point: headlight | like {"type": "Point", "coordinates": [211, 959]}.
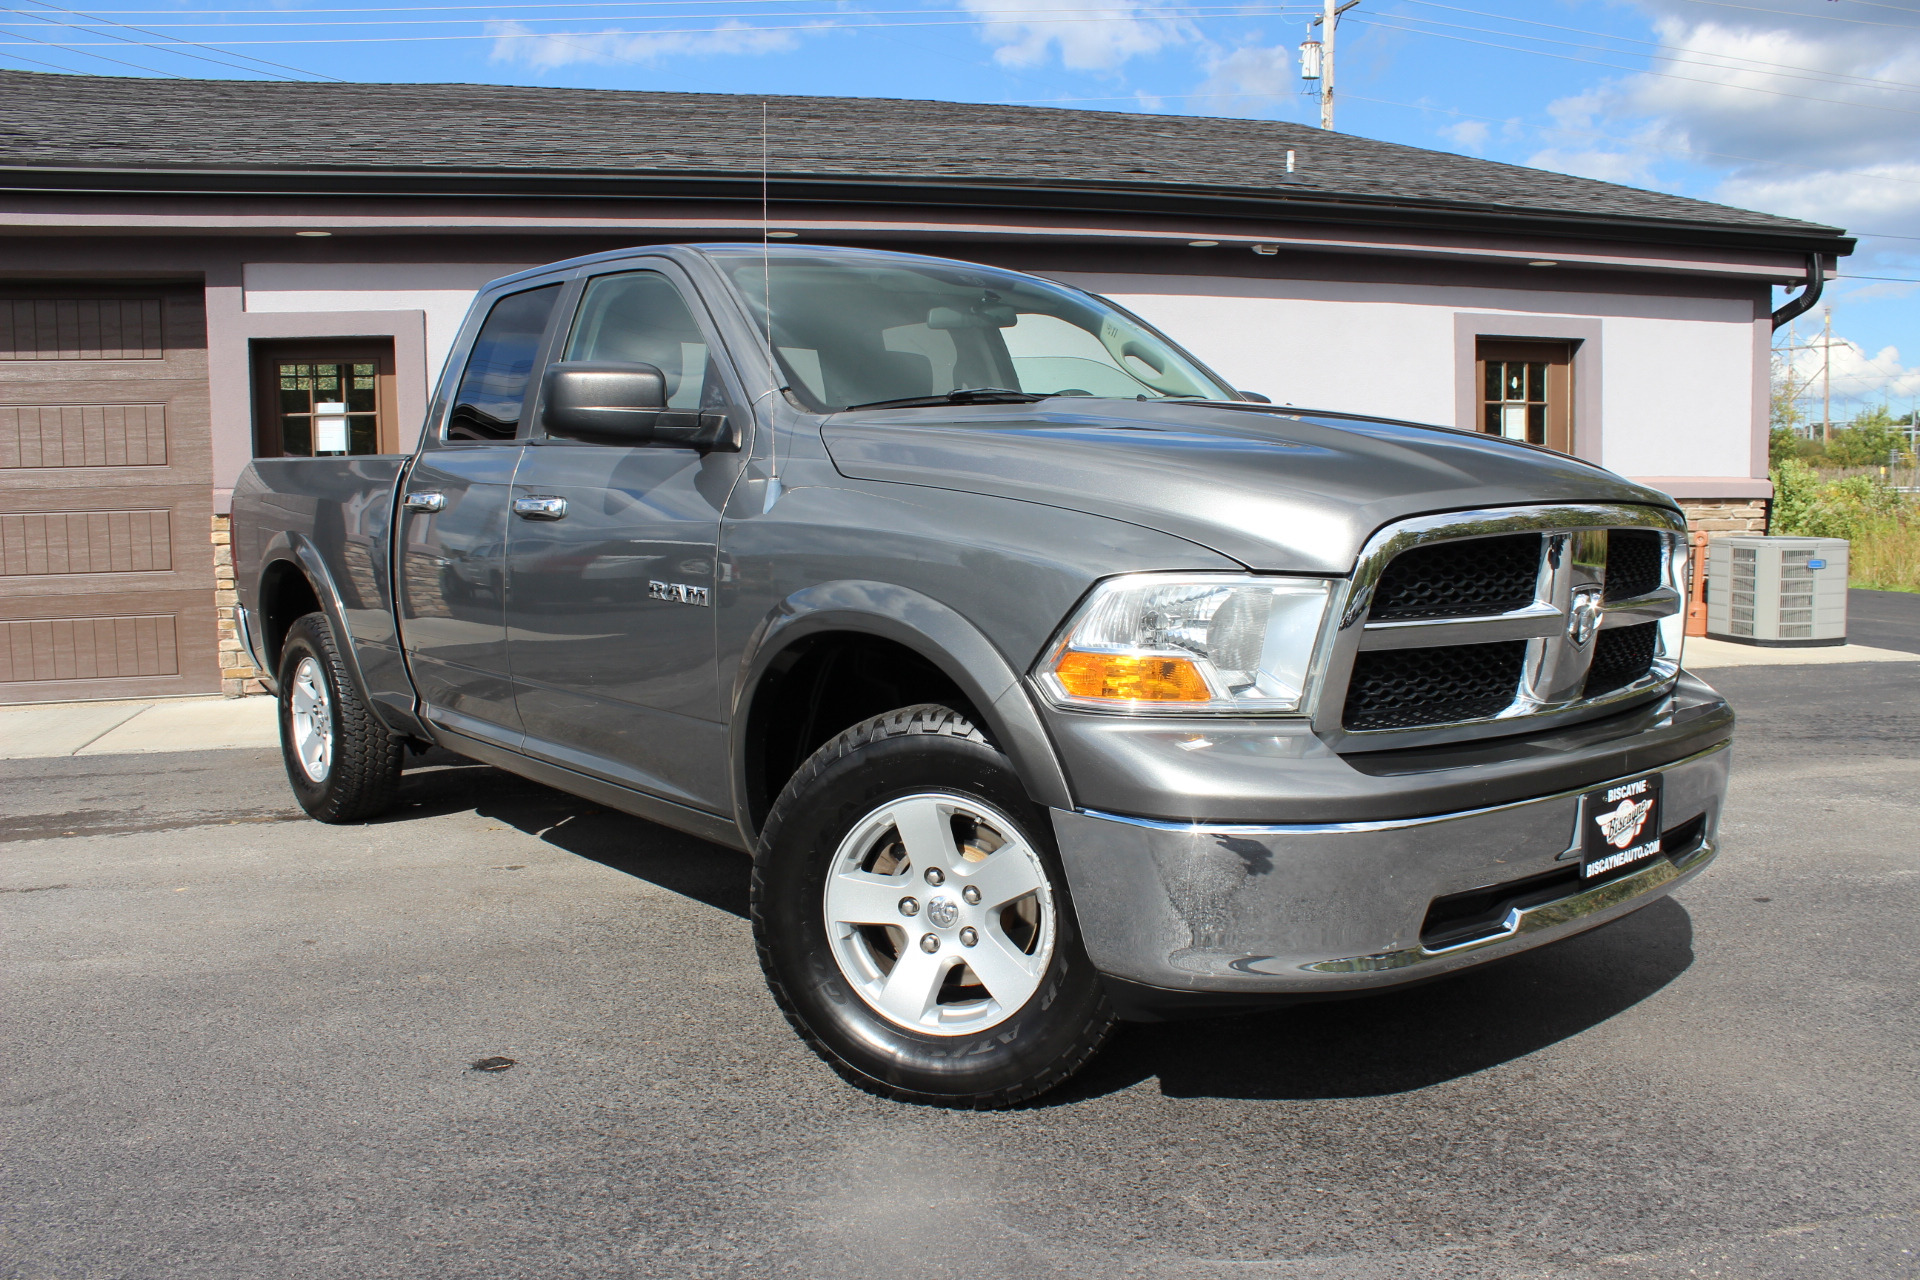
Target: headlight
{"type": "Point", "coordinates": [1155, 642]}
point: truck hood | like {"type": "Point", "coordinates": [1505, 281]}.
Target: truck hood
{"type": "Point", "coordinates": [1289, 490]}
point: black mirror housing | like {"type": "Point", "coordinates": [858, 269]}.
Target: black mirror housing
{"type": "Point", "coordinates": [1256, 397]}
{"type": "Point", "coordinates": [610, 400]}
{"type": "Point", "coordinates": [625, 402]}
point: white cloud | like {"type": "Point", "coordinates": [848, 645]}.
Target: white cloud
{"type": "Point", "coordinates": [1470, 135]}
{"type": "Point", "coordinates": [1858, 377]}
{"type": "Point", "coordinates": [1110, 34]}
{"type": "Point", "coordinates": [1253, 80]}
{"type": "Point", "coordinates": [1811, 140]}
{"type": "Point", "coordinates": [513, 42]}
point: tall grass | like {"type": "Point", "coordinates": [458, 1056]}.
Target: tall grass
{"type": "Point", "coordinates": [1881, 523]}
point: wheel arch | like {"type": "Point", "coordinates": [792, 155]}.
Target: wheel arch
{"type": "Point", "coordinates": [293, 574]}
{"type": "Point", "coordinates": [874, 618]}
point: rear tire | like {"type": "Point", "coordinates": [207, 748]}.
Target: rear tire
{"type": "Point", "coordinates": [913, 923]}
{"type": "Point", "coordinates": [342, 762]}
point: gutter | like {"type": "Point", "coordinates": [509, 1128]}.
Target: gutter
{"type": "Point", "coordinates": [1810, 290]}
{"type": "Point", "coordinates": [1278, 204]}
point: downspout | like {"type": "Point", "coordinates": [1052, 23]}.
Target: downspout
{"type": "Point", "coordinates": [1816, 280]}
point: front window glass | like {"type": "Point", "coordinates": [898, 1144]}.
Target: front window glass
{"type": "Point", "coordinates": [640, 317]}
{"type": "Point", "coordinates": [854, 329]}
{"type": "Point", "coordinates": [494, 384]}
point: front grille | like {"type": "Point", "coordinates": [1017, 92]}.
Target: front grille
{"type": "Point", "coordinates": [1633, 563]}
{"type": "Point", "coordinates": [1467, 579]}
{"type": "Point", "coordinates": [1406, 688]}
{"type": "Point", "coordinates": [1620, 657]}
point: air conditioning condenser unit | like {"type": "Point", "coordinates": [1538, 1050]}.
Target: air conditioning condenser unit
{"type": "Point", "coordinates": [1778, 592]}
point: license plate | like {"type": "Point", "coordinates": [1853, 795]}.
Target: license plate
{"type": "Point", "coordinates": [1622, 826]}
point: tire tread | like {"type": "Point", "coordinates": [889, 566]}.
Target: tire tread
{"type": "Point", "coordinates": [367, 755]}
{"type": "Point", "coordinates": [926, 719]}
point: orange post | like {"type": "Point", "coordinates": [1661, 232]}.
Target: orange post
{"type": "Point", "coordinates": [1697, 588]}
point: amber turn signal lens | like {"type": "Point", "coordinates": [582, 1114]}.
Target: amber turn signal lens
{"type": "Point", "coordinates": [1123, 677]}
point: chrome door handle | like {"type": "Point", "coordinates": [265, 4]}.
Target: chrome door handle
{"type": "Point", "coordinates": [540, 508]}
{"type": "Point", "coordinates": [428, 502]}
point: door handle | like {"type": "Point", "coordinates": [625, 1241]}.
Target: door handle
{"type": "Point", "coordinates": [428, 502]}
{"type": "Point", "coordinates": [540, 508]}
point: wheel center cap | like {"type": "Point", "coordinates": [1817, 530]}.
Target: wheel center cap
{"type": "Point", "coordinates": [942, 912]}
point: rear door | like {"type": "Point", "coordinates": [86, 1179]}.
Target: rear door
{"type": "Point", "coordinates": [106, 500]}
{"type": "Point", "coordinates": [453, 525]}
{"type": "Point", "coordinates": [609, 597]}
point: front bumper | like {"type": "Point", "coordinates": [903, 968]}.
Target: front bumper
{"type": "Point", "coordinates": [1299, 909]}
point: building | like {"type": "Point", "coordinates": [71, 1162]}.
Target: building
{"type": "Point", "coordinates": [189, 268]}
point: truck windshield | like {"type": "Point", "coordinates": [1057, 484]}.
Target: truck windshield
{"type": "Point", "coordinates": [857, 329]}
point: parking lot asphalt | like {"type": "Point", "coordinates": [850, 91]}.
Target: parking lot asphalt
{"type": "Point", "coordinates": [237, 1043]}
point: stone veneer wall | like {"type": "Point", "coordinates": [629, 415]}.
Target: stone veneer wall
{"type": "Point", "coordinates": [238, 677]}
{"type": "Point", "coordinates": [1718, 517]}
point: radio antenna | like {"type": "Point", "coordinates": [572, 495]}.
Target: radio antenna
{"type": "Point", "coordinates": [766, 286]}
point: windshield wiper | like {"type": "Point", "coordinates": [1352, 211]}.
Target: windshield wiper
{"type": "Point", "coordinates": [964, 395]}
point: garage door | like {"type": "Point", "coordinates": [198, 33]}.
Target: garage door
{"type": "Point", "coordinates": [106, 572]}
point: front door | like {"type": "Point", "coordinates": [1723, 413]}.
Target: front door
{"type": "Point", "coordinates": [609, 597]}
{"type": "Point", "coordinates": [452, 579]}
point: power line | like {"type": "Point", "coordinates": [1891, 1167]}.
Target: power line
{"type": "Point", "coordinates": [1667, 75]}
{"type": "Point", "coordinates": [1116, 14]}
{"type": "Point", "coordinates": [1818, 17]}
{"type": "Point", "coordinates": [816, 27]}
{"type": "Point", "coordinates": [1788, 73]}
{"type": "Point", "coordinates": [101, 56]}
{"type": "Point", "coordinates": [198, 57]}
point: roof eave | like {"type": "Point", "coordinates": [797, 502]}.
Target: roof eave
{"type": "Point", "coordinates": [997, 192]}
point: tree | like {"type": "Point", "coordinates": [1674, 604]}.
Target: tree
{"type": "Point", "coordinates": [1870, 440]}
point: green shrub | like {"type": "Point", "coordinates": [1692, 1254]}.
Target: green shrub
{"type": "Point", "coordinates": [1881, 523]}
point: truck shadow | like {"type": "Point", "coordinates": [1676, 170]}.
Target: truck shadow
{"type": "Point", "coordinates": [1406, 1040]}
{"type": "Point", "coordinates": [440, 782]}
{"type": "Point", "coordinates": [1396, 1042]}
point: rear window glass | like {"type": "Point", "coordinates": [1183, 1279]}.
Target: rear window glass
{"type": "Point", "coordinates": [493, 387]}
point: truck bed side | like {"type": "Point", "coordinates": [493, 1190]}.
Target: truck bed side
{"type": "Point", "coordinates": [315, 533]}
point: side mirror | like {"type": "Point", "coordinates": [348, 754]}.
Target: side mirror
{"type": "Point", "coordinates": [1256, 397]}
{"type": "Point", "coordinates": [624, 402]}
{"type": "Point", "coordinates": [603, 400]}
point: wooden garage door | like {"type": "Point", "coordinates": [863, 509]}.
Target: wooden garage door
{"type": "Point", "coordinates": [106, 500]}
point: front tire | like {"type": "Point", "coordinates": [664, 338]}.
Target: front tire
{"type": "Point", "coordinates": [913, 922]}
{"type": "Point", "coordinates": [342, 762]}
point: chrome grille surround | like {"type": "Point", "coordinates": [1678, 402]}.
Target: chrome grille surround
{"type": "Point", "coordinates": [1553, 676]}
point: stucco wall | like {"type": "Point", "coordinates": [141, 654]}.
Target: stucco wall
{"type": "Point", "coordinates": [1676, 374]}
{"type": "Point", "coordinates": [442, 290]}
{"type": "Point", "coordinates": [1668, 380]}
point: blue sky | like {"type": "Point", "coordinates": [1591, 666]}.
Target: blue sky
{"type": "Point", "coordinates": [1809, 108]}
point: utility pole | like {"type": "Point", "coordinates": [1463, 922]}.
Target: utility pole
{"type": "Point", "coordinates": [1826, 380]}
{"type": "Point", "coordinates": [1329, 18]}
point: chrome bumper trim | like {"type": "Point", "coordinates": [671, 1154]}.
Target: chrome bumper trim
{"type": "Point", "coordinates": [1385, 824]}
{"type": "Point", "coordinates": [1662, 874]}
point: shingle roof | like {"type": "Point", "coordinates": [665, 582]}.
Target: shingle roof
{"type": "Point", "coordinates": [119, 123]}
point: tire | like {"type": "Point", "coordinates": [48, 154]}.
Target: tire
{"type": "Point", "coordinates": [846, 901]}
{"type": "Point", "coordinates": [342, 762]}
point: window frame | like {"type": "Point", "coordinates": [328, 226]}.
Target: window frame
{"type": "Point", "coordinates": [268, 355]}
{"type": "Point", "coordinates": [560, 333]}
{"type": "Point", "coordinates": [440, 411]}
{"type": "Point", "coordinates": [1561, 429]}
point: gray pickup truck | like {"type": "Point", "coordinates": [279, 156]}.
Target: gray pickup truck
{"type": "Point", "coordinates": [1048, 680]}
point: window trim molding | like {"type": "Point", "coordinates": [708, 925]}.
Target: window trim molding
{"type": "Point", "coordinates": [266, 351]}
{"type": "Point", "coordinates": [1580, 333]}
